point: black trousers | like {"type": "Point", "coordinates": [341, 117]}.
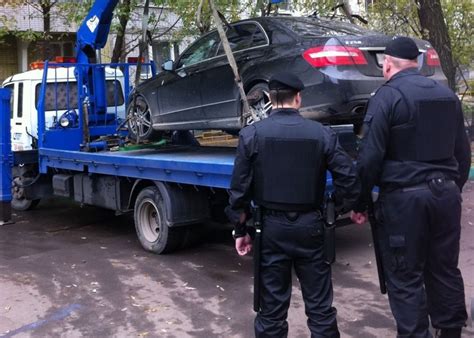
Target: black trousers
{"type": "Point", "coordinates": [294, 243]}
{"type": "Point", "coordinates": [419, 239]}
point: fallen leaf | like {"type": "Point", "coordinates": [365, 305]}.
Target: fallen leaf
{"type": "Point", "coordinates": [143, 334]}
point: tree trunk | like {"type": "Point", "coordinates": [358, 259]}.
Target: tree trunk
{"type": "Point", "coordinates": [120, 40]}
{"type": "Point", "coordinates": [46, 11]}
{"type": "Point", "coordinates": [434, 30]}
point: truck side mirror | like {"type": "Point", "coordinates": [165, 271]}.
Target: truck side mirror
{"type": "Point", "coordinates": [168, 65]}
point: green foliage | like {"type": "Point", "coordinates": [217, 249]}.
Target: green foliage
{"type": "Point", "coordinates": [400, 17]}
{"type": "Point", "coordinates": [460, 24]}
{"type": "Point", "coordinates": [187, 11]}
{"type": "Point", "coordinates": [321, 8]}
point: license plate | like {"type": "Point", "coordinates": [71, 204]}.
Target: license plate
{"type": "Point", "coordinates": [380, 58]}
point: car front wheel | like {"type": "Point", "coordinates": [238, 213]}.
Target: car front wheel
{"type": "Point", "coordinates": [140, 124]}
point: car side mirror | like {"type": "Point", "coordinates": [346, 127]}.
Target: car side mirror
{"type": "Point", "coordinates": [168, 65]}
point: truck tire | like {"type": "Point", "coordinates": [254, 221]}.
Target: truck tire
{"type": "Point", "coordinates": [140, 124]}
{"type": "Point", "coordinates": [23, 177]}
{"type": "Point", "coordinates": [151, 225]}
{"type": "Point", "coordinates": [24, 204]}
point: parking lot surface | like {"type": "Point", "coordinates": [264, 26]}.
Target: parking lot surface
{"type": "Point", "coordinates": [67, 271]}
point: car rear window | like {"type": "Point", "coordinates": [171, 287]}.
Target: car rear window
{"type": "Point", "coordinates": [243, 36]}
{"type": "Point", "coordinates": [312, 27]}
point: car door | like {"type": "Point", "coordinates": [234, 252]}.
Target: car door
{"type": "Point", "coordinates": [179, 95]}
{"type": "Point", "coordinates": [220, 95]}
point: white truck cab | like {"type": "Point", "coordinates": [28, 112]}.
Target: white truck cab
{"type": "Point", "coordinates": [61, 95]}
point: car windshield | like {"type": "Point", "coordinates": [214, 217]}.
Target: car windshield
{"type": "Point", "coordinates": [312, 27]}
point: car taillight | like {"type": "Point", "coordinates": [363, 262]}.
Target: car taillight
{"type": "Point", "coordinates": [322, 56]}
{"type": "Point", "coordinates": [432, 58]}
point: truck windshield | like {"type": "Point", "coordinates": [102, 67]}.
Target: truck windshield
{"type": "Point", "coordinates": [63, 95]}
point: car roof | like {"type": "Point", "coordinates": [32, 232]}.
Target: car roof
{"type": "Point", "coordinates": [337, 25]}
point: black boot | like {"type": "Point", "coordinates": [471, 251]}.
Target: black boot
{"type": "Point", "coordinates": [448, 333]}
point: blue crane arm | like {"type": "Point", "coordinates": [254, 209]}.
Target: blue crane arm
{"type": "Point", "coordinates": [91, 38]}
{"type": "Point", "coordinates": [92, 35]}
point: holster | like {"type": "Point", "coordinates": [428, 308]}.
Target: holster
{"type": "Point", "coordinates": [329, 233]}
{"type": "Point", "coordinates": [257, 215]}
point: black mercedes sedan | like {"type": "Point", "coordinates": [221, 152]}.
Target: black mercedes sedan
{"type": "Point", "coordinates": [340, 64]}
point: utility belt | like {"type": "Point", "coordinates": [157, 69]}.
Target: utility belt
{"type": "Point", "coordinates": [328, 217]}
{"type": "Point", "coordinates": [429, 184]}
{"type": "Point", "coordinates": [291, 215]}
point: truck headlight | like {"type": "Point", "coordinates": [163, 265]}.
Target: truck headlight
{"type": "Point", "coordinates": [68, 119]}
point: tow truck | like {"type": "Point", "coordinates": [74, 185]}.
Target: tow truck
{"type": "Point", "coordinates": [80, 153]}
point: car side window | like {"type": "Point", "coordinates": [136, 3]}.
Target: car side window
{"type": "Point", "coordinates": [243, 36]}
{"type": "Point", "coordinates": [201, 50]}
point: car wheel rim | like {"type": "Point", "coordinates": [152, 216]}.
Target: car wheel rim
{"type": "Point", "coordinates": [260, 109]}
{"type": "Point", "coordinates": [140, 120]}
{"type": "Point", "coordinates": [150, 220]}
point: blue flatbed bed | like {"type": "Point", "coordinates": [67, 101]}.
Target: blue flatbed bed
{"type": "Point", "coordinates": [207, 166]}
{"type": "Point", "coordinates": [204, 166]}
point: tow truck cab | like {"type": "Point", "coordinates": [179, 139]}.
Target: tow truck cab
{"type": "Point", "coordinates": [61, 96]}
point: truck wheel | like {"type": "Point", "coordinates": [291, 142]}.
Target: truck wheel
{"type": "Point", "coordinates": [259, 102]}
{"type": "Point", "coordinates": [24, 204]}
{"type": "Point", "coordinates": [140, 125]}
{"type": "Point", "coordinates": [19, 201]}
{"type": "Point", "coordinates": [152, 229]}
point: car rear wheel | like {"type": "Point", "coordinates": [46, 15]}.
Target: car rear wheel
{"type": "Point", "coordinates": [140, 125]}
{"type": "Point", "coordinates": [259, 102]}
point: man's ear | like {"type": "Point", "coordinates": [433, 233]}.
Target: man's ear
{"type": "Point", "coordinates": [298, 98]}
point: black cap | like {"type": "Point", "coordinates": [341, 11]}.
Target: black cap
{"type": "Point", "coordinates": [403, 48]}
{"type": "Point", "coordinates": [285, 80]}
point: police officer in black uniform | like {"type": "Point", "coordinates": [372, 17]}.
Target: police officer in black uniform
{"type": "Point", "coordinates": [281, 165]}
{"type": "Point", "coordinates": [416, 150]}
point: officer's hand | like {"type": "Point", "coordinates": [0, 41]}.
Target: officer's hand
{"type": "Point", "coordinates": [243, 245]}
{"type": "Point", "coordinates": [359, 217]}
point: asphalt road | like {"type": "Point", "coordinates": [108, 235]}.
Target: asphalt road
{"type": "Point", "coordinates": [67, 271]}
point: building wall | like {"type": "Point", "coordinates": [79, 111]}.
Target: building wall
{"type": "Point", "coordinates": [8, 58]}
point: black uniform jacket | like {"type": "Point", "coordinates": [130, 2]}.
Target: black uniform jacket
{"type": "Point", "coordinates": [387, 109]}
{"type": "Point", "coordinates": [337, 161]}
